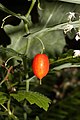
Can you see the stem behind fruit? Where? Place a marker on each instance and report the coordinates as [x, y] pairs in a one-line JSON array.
[[40, 81]]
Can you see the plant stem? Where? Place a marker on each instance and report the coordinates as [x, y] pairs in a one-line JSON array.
[[43, 47], [24, 59], [28, 45], [4, 107], [7, 75], [40, 82], [62, 59], [4, 19], [28, 13], [31, 7], [8, 106], [12, 13], [27, 83], [11, 115], [9, 60], [25, 113], [27, 86]]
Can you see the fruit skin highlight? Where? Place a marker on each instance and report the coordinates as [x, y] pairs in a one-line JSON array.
[[40, 65]]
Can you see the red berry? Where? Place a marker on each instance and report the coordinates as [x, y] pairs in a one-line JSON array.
[[40, 65]]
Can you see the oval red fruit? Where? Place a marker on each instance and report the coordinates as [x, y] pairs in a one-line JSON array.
[[40, 65]]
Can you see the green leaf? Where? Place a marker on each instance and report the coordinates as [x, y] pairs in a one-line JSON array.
[[34, 98], [53, 19], [9, 51], [66, 65], [71, 1], [3, 98]]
